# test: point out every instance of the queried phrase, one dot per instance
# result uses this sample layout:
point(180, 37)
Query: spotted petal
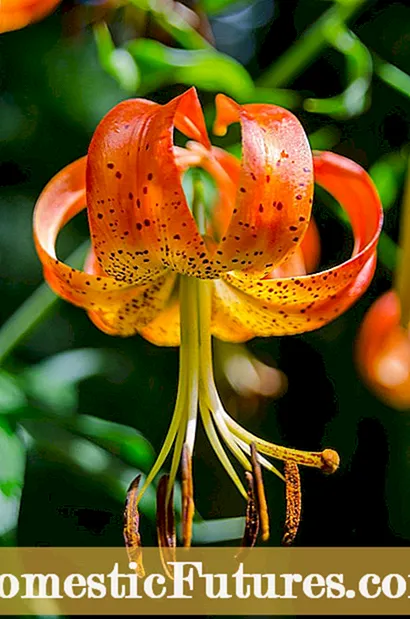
point(298, 304)
point(114, 306)
point(274, 196)
point(138, 213)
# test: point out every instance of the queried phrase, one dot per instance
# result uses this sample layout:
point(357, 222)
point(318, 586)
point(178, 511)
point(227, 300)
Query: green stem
point(392, 75)
point(402, 276)
point(306, 49)
point(33, 310)
point(173, 23)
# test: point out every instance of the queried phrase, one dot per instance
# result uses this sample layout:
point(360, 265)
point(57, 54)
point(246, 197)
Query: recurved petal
point(383, 352)
point(274, 196)
point(62, 199)
point(226, 324)
point(136, 307)
point(138, 213)
point(164, 329)
point(115, 307)
point(303, 303)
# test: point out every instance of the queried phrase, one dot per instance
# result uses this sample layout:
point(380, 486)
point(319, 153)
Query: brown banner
point(206, 581)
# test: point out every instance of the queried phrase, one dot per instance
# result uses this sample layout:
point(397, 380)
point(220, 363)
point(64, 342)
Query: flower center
point(197, 393)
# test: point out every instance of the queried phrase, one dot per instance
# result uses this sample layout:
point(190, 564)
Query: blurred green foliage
point(81, 413)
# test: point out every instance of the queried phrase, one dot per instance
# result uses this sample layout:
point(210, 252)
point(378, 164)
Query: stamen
point(252, 517)
point(293, 502)
point(166, 524)
point(260, 493)
point(132, 537)
point(188, 505)
point(327, 460)
point(219, 450)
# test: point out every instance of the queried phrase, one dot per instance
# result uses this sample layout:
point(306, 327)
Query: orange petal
point(15, 14)
point(383, 352)
point(138, 213)
point(298, 304)
point(226, 324)
point(115, 307)
point(310, 247)
point(136, 307)
point(164, 330)
point(275, 187)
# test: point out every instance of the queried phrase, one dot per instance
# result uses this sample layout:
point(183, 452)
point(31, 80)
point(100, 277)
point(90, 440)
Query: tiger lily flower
point(16, 14)
point(383, 351)
point(178, 276)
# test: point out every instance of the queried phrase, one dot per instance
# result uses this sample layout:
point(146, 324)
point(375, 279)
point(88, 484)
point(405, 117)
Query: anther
point(131, 534)
point(293, 502)
point(331, 461)
point(251, 518)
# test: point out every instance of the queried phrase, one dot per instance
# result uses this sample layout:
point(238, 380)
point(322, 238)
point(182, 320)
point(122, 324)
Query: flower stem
point(306, 49)
point(34, 309)
point(402, 276)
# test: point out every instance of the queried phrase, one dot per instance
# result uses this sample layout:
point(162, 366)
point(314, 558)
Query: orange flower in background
point(15, 14)
point(383, 351)
point(178, 274)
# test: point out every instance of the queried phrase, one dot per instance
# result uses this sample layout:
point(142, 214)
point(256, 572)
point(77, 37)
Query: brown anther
point(131, 534)
point(293, 502)
point(252, 517)
point(166, 524)
point(260, 493)
point(188, 505)
point(331, 461)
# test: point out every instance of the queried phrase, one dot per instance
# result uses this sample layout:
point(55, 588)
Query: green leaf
point(125, 442)
point(85, 458)
point(12, 468)
point(388, 176)
point(213, 7)
point(171, 17)
point(353, 100)
point(218, 530)
point(12, 397)
point(207, 69)
point(54, 381)
point(116, 62)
